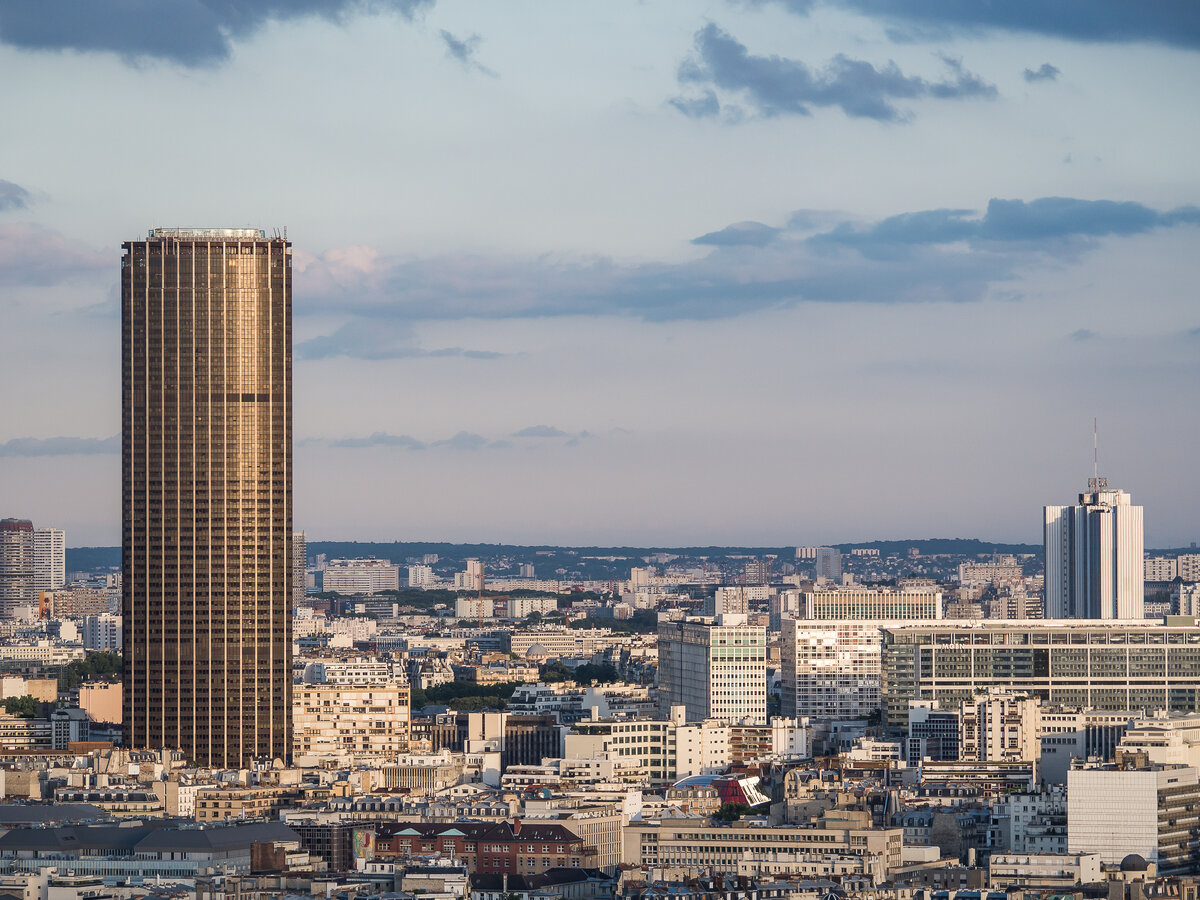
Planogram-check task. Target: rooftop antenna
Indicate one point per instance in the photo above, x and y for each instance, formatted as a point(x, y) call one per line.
point(1096, 483)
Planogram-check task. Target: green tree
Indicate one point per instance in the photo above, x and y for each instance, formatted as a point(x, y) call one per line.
point(731, 812)
point(25, 707)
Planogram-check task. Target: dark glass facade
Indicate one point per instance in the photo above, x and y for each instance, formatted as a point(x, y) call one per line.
point(207, 494)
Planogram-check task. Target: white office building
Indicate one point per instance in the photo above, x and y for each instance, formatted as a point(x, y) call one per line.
point(361, 576)
point(1094, 556)
point(49, 559)
point(716, 668)
point(1151, 812)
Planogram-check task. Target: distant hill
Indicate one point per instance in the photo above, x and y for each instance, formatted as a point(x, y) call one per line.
point(91, 559)
point(87, 559)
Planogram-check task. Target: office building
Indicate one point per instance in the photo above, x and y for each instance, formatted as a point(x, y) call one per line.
point(207, 494)
point(832, 669)
point(49, 559)
point(1094, 556)
point(299, 567)
point(863, 603)
point(16, 567)
point(716, 668)
point(361, 576)
point(695, 843)
point(1149, 811)
point(1097, 665)
point(1069, 734)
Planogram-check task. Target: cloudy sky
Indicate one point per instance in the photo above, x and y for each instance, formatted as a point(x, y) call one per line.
point(703, 271)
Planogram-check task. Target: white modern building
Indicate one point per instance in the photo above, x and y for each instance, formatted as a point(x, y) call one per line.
point(49, 559)
point(832, 668)
point(1094, 556)
point(102, 632)
point(361, 576)
point(420, 577)
point(1151, 812)
point(716, 668)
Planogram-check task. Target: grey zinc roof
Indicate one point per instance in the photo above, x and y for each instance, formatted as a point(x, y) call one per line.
point(43, 814)
point(143, 838)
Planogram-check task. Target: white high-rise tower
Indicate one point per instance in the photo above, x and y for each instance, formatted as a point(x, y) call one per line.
point(49, 559)
point(1094, 556)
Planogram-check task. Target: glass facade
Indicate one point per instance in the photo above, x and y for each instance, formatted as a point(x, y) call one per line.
point(207, 494)
point(1110, 666)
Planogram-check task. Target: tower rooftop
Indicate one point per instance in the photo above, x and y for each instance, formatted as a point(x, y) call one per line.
point(203, 233)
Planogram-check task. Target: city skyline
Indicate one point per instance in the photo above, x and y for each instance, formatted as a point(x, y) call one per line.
point(719, 273)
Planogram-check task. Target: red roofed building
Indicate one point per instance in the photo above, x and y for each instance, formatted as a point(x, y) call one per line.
point(516, 848)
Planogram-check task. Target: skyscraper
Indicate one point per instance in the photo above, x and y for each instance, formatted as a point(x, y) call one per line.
point(1094, 556)
point(16, 566)
point(207, 493)
point(49, 559)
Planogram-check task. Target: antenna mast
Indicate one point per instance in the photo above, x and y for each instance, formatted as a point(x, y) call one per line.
point(1096, 483)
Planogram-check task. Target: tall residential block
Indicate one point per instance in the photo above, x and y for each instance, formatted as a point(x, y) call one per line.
point(299, 567)
point(207, 493)
point(1094, 552)
point(716, 668)
point(49, 559)
point(16, 567)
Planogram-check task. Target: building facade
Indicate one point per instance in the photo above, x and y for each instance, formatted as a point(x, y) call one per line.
point(714, 668)
point(361, 576)
point(1114, 665)
point(207, 493)
point(1094, 556)
point(16, 567)
point(49, 559)
point(1150, 811)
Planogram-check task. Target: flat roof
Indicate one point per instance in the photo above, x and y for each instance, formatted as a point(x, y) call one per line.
point(198, 233)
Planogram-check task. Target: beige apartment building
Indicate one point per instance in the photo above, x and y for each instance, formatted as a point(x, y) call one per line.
point(362, 720)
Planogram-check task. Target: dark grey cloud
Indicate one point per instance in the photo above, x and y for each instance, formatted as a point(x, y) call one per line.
point(1045, 72)
point(540, 431)
point(373, 340)
point(775, 85)
point(739, 234)
point(463, 50)
point(33, 255)
point(60, 446)
point(1172, 22)
point(12, 196)
point(1042, 220)
point(1083, 334)
point(952, 255)
point(187, 32)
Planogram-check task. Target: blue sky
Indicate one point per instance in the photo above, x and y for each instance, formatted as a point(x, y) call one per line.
point(759, 272)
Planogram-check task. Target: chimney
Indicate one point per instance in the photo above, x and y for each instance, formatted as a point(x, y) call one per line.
point(516, 829)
